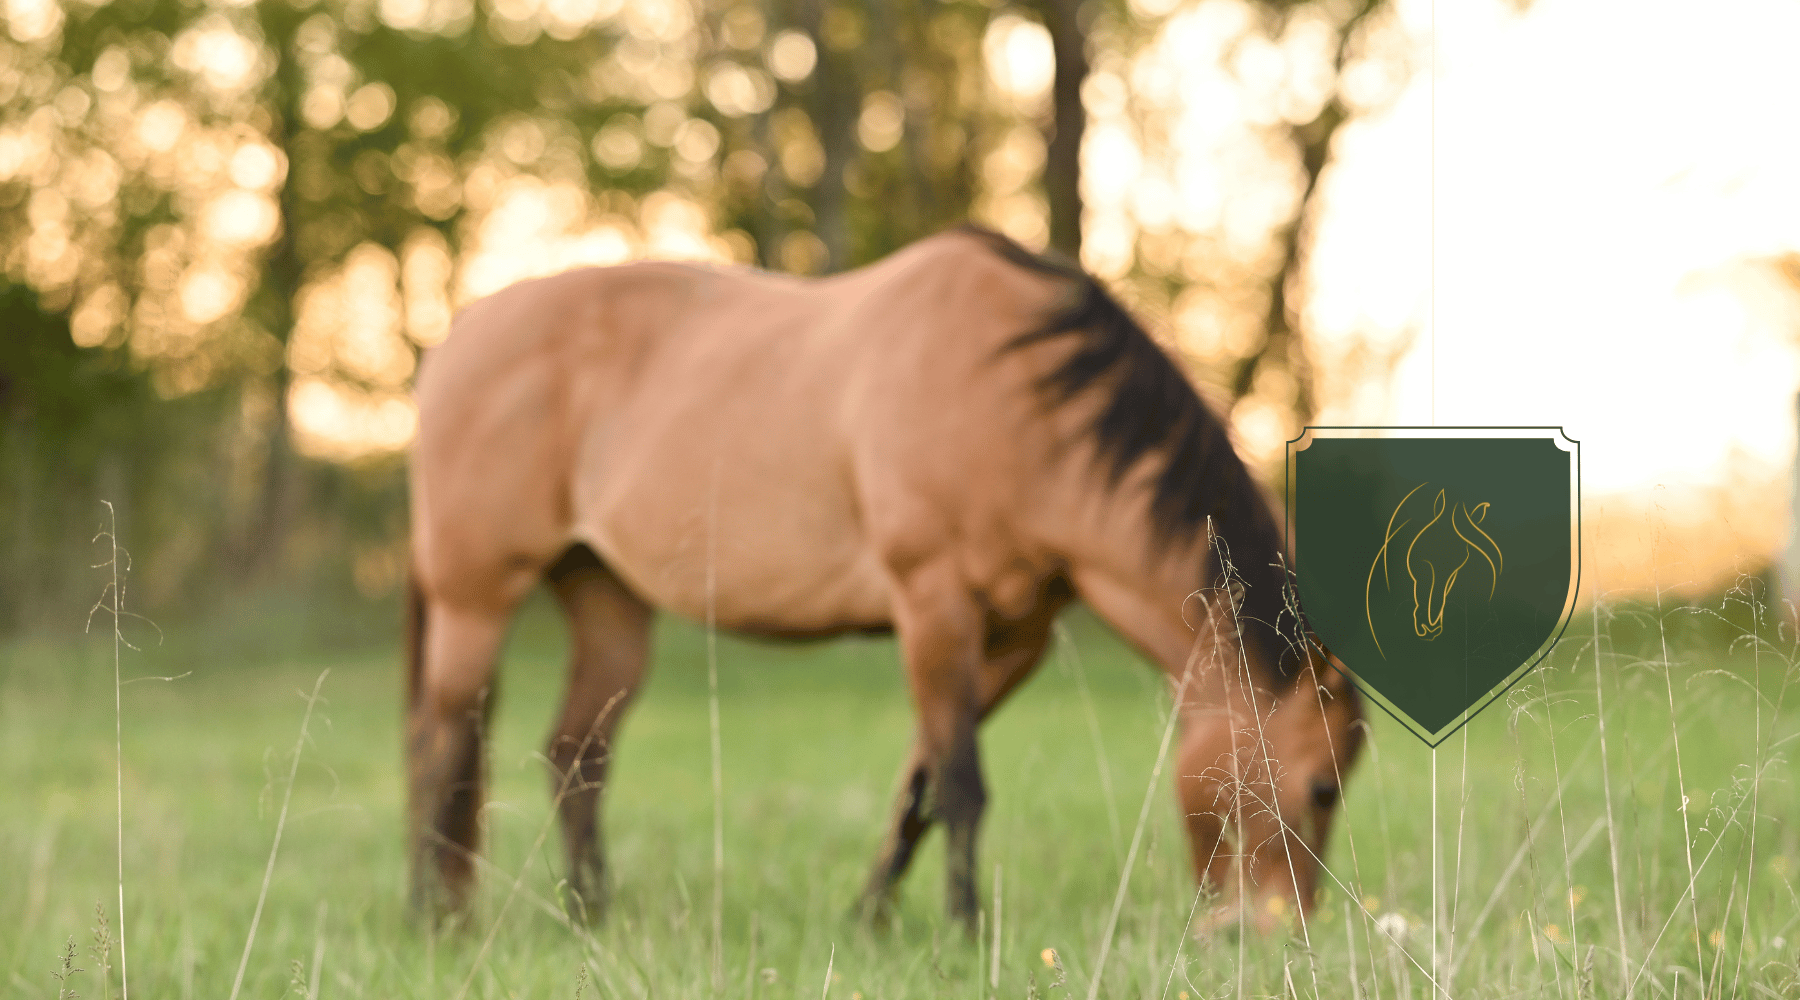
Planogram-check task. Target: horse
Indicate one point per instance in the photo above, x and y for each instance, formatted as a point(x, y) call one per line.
point(951, 444)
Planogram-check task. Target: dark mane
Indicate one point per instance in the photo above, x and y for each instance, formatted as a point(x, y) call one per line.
point(1150, 405)
point(1151, 408)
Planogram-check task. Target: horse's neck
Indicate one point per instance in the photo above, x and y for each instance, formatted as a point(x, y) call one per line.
point(1148, 590)
point(1204, 595)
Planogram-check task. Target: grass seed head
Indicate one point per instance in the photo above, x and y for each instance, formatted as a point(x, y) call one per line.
point(63, 992)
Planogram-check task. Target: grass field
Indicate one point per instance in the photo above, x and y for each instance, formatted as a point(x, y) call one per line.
point(1542, 896)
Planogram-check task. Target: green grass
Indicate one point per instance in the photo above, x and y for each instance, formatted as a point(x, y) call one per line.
point(812, 738)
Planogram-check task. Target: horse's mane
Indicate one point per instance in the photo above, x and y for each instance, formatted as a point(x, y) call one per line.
point(1150, 407)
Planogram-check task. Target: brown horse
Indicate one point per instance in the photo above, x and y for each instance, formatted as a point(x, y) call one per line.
point(953, 443)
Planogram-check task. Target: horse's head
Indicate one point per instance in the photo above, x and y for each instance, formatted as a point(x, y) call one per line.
point(1437, 542)
point(1263, 767)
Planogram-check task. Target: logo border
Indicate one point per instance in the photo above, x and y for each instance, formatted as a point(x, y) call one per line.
point(1516, 676)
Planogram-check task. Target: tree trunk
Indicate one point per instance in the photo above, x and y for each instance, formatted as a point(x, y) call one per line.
point(905, 215)
point(770, 191)
point(1062, 153)
point(272, 510)
point(837, 102)
point(1282, 346)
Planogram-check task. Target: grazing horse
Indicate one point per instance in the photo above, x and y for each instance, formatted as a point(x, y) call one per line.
point(952, 444)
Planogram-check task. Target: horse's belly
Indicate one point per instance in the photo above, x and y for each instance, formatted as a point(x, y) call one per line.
point(755, 554)
point(755, 585)
point(718, 483)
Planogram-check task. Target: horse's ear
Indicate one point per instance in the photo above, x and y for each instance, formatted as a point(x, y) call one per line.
point(1327, 671)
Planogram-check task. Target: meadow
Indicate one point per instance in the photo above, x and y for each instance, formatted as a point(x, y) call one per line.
point(1619, 825)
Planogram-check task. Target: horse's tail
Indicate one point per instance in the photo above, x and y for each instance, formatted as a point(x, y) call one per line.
point(415, 635)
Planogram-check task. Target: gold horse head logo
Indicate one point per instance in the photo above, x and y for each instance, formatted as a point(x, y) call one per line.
point(1428, 551)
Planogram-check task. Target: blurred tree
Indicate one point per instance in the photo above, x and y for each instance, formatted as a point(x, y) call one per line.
point(190, 171)
point(1311, 140)
point(81, 425)
point(1067, 125)
point(1210, 128)
point(836, 100)
point(255, 214)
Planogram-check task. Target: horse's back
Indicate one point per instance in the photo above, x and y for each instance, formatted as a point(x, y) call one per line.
point(784, 437)
point(764, 440)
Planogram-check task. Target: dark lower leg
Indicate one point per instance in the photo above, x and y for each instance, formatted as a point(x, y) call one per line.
point(1011, 652)
point(609, 632)
point(446, 785)
point(576, 784)
point(446, 727)
point(910, 823)
point(961, 798)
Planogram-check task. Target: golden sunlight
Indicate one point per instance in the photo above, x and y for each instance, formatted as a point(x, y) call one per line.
point(1598, 227)
point(340, 423)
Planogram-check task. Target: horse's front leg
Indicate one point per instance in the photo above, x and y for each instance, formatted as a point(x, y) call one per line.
point(1011, 651)
point(940, 630)
point(908, 826)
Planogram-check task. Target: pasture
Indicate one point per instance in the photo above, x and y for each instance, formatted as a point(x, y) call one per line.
point(1541, 895)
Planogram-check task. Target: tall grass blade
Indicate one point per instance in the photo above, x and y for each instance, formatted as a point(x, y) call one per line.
point(287, 796)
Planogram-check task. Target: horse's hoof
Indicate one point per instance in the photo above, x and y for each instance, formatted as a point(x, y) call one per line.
point(584, 909)
point(432, 913)
point(437, 903)
point(970, 924)
point(875, 911)
point(1217, 929)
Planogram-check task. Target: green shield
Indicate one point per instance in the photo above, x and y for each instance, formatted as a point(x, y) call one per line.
point(1437, 564)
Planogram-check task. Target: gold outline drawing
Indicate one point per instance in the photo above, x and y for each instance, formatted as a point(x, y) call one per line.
point(1432, 625)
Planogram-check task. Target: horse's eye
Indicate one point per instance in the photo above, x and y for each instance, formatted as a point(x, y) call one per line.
point(1324, 794)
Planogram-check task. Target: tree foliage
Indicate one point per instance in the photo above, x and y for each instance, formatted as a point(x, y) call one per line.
point(230, 226)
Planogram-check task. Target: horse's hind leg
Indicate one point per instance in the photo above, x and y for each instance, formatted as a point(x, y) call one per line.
point(447, 717)
point(609, 647)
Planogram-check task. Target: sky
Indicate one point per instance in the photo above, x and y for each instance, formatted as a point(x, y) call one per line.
point(1579, 197)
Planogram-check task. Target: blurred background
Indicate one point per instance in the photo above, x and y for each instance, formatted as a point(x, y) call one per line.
point(228, 228)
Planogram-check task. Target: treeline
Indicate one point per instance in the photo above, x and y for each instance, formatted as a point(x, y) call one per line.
point(212, 213)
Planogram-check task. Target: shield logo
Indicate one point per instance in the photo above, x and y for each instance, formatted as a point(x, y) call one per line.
point(1439, 565)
